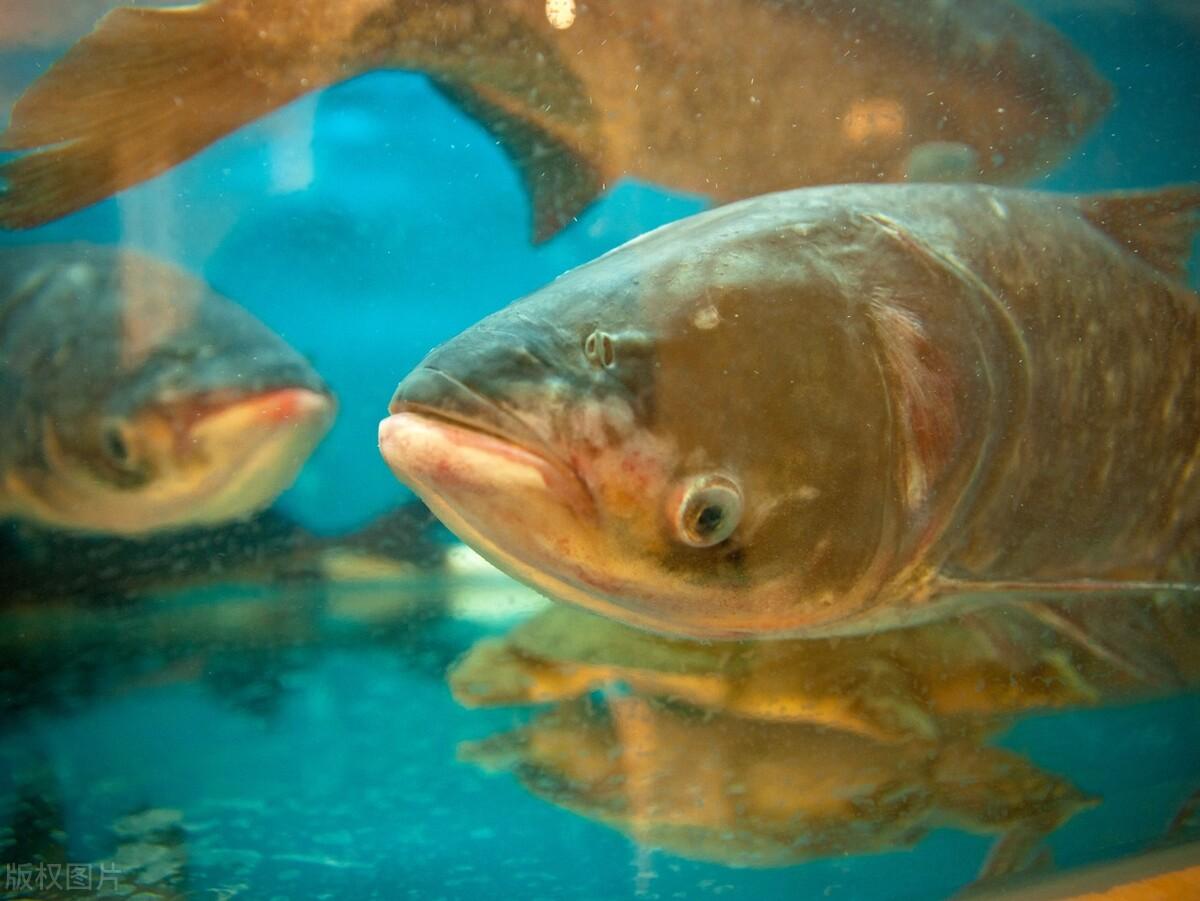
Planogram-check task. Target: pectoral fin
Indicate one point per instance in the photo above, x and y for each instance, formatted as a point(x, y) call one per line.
point(561, 178)
point(998, 589)
point(990, 789)
point(1123, 633)
point(1127, 639)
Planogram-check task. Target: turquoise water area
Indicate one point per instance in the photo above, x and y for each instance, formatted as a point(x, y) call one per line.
point(326, 767)
point(365, 224)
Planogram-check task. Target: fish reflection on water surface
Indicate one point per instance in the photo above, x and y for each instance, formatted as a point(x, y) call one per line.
point(134, 399)
point(964, 675)
point(832, 410)
point(775, 752)
point(750, 793)
point(725, 98)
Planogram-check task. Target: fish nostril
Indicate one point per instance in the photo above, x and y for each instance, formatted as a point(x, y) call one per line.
point(600, 349)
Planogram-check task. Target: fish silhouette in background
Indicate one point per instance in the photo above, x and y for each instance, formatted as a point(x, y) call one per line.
point(748, 793)
point(726, 98)
point(134, 399)
point(958, 676)
point(833, 410)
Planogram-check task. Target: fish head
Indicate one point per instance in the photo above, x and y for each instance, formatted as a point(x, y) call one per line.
point(690, 435)
point(161, 404)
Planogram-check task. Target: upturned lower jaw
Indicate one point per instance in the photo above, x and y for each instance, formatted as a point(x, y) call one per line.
point(431, 453)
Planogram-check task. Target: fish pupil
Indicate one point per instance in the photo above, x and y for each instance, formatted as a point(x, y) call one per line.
point(115, 445)
point(709, 519)
point(709, 511)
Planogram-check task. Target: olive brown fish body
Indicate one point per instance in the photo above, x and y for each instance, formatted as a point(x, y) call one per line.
point(136, 399)
point(727, 98)
point(830, 411)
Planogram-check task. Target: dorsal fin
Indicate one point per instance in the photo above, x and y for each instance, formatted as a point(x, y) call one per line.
point(1158, 226)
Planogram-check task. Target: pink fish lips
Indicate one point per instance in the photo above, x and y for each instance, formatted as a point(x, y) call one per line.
point(449, 461)
point(424, 450)
point(294, 406)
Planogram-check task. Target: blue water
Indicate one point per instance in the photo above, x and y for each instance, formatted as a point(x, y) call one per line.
point(366, 224)
point(350, 787)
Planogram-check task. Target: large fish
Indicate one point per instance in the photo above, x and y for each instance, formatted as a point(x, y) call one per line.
point(133, 398)
point(832, 410)
point(727, 98)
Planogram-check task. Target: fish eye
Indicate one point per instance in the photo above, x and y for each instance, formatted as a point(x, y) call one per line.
point(116, 446)
point(708, 511)
point(600, 349)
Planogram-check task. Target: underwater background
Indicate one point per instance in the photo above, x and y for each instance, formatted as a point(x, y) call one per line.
point(365, 224)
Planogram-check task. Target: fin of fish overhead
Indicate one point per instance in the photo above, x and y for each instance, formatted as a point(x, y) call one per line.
point(727, 99)
point(832, 410)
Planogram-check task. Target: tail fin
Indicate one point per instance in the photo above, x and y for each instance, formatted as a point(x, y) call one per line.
point(147, 89)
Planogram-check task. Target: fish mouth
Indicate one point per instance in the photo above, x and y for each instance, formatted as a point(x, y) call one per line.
point(256, 444)
point(214, 457)
point(468, 418)
point(268, 407)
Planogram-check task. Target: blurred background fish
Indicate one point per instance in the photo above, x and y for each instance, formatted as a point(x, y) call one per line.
point(699, 97)
point(133, 398)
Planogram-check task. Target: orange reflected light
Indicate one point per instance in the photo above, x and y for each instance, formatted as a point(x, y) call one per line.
point(876, 117)
point(560, 13)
